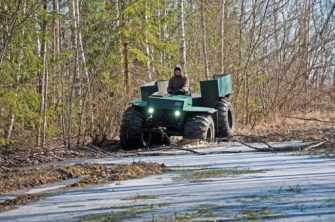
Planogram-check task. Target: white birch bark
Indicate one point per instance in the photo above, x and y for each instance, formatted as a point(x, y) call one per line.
point(204, 39)
point(147, 46)
point(222, 36)
point(183, 49)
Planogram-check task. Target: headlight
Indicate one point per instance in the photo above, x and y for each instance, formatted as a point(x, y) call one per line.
point(177, 113)
point(151, 110)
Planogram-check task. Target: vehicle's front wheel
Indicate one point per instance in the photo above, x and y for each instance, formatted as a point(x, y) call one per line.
point(132, 134)
point(200, 127)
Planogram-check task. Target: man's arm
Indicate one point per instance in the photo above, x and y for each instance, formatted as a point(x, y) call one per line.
point(186, 86)
point(169, 89)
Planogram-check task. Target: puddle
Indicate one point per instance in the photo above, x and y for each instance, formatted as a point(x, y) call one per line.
point(224, 186)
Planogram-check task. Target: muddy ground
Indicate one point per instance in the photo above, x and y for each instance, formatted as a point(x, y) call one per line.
point(25, 169)
point(85, 174)
point(20, 155)
point(227, 182)
point(300, 126)
point(26, 178)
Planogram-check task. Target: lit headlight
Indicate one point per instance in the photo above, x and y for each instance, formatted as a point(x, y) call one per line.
point(177, 113)
point(151, 110)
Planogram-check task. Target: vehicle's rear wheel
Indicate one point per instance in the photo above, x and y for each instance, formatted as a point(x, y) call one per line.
point(226, 119)
point(200, 127)
point(132, 134)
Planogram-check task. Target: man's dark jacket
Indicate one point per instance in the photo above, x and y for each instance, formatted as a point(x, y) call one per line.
point(178, 83)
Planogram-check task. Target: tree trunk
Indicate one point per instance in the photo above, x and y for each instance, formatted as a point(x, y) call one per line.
point(11, 127)
point(46, 86)
point(56, 51)
point(147, 46)
point(204, 38)
point(86, 94)
point(119, 24)
point(41, 136)
point(222, 36)
point(75, 88)
point(75, 48)
point(126, 71)
point(80, 42)
point(163, 34)
point(305, 49)
point(183, 60)
point(59, 76)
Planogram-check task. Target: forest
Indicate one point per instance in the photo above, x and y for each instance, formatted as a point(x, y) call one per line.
point(68, 68)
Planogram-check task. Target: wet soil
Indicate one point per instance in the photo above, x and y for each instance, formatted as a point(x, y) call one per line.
point(27, 178)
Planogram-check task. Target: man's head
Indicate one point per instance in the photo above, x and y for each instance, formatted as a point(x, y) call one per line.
point(177, 70)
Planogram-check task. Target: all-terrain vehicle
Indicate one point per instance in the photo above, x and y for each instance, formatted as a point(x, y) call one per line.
point(158, 115)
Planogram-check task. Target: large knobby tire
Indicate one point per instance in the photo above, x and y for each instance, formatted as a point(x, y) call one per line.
point(200, 127)
point(132, 134)
point(226, 119)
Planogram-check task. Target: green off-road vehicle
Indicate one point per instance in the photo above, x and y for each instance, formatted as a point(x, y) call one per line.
point(158, 115)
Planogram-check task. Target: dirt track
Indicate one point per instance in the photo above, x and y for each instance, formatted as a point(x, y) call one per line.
point(220, 185)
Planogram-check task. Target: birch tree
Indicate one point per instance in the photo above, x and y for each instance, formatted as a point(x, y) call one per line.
point(183, 49)
point(204, 39)
point(222, 35)
point(41, 137)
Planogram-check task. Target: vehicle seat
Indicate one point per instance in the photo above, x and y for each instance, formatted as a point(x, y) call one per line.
point(162, 86)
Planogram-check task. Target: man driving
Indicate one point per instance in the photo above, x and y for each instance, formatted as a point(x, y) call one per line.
point(178, 84)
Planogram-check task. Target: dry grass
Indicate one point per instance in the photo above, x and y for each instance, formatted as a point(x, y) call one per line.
point(293, 126)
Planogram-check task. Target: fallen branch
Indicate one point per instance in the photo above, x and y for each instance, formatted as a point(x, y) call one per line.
point(268, 148)
point(96, 149)
point(316, 145)
point(183, 149)
point(258, 141)
point(330, 141)
point(309, 119)
point(283, 149)
point(189, 150)
point(253, 147)
point(151, 151)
